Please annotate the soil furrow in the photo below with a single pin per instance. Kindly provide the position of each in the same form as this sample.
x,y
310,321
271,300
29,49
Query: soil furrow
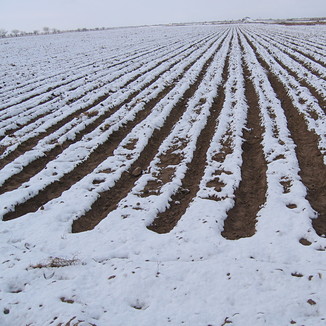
x,y
251,193
11,131
135,55
31,142
307,55
320,99
312,168
109,200
268,38
35,166
106,149
49,89
167,220
305,44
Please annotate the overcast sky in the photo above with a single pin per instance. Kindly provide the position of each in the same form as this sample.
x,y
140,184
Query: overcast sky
x,y
29,15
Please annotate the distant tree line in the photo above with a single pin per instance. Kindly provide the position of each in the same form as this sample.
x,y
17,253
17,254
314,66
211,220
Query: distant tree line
x,y
45,31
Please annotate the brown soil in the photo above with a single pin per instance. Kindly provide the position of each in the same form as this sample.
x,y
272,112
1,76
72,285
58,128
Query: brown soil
x,y
30,143
167,167
311,58
250,195
312,168
55,189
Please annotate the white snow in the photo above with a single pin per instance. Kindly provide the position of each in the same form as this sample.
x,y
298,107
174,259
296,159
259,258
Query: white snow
x,y
121,273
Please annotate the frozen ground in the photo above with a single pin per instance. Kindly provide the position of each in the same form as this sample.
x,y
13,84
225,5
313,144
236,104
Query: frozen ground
x,y
118,271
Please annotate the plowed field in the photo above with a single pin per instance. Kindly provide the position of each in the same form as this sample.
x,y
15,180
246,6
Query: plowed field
x,y
187,154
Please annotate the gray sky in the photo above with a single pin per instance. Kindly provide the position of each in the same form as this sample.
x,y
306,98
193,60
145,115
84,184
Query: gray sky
x,y
29,15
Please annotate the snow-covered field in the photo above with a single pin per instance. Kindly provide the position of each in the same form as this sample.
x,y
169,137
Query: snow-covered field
x,y
164,176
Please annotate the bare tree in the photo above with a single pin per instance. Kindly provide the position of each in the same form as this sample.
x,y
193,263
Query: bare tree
x,y
15,32
35,32
3,32
46,30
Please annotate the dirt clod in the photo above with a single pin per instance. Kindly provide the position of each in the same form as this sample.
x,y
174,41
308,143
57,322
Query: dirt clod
x,y
305,242
136,172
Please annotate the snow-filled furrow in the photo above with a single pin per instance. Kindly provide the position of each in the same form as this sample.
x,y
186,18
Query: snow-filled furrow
x,y
222,173
60,88
225,106
294,155
315,58
301,97
127,75
312,36
283,182
54,144
235,159
108,50
301,43
121,273
64,77
78,152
